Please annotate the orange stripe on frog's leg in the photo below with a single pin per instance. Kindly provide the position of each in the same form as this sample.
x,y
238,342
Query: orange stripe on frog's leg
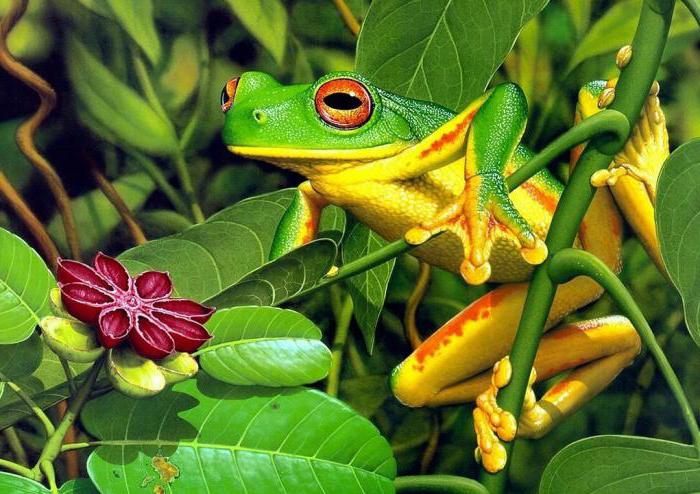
x,y
467,344
449,136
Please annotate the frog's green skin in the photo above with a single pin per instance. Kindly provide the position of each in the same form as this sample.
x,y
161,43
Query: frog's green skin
x,y
411,168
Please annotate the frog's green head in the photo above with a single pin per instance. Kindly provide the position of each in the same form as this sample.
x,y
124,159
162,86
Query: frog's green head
x,y
338,121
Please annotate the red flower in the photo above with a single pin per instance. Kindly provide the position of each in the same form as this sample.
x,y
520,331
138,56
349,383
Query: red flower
x,y
138,309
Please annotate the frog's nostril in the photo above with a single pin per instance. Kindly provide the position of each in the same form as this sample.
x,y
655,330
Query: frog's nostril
x,y
260,116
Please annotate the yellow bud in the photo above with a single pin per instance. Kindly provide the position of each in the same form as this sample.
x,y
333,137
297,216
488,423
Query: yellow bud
x,y
134,375
71,339
177,367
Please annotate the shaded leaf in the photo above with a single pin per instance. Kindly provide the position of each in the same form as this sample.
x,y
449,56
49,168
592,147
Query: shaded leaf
x,y
179,78
95,216
209,258
617,26
115,106
78,486
265,346
224,438
281,279
136,17
15,484
366,394
367,289
617,464
445,51
266,20
678,225
25,282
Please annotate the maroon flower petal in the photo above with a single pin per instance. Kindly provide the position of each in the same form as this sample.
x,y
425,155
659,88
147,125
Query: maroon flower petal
x,y
186,308
188,335
150,339
69,271
84,301
114,326
113,270
153,284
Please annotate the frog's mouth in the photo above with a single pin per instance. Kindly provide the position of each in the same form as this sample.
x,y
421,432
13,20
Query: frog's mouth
x,y
287,154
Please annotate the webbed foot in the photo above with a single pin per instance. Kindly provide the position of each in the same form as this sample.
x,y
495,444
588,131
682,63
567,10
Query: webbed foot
x,y
474,216
493,424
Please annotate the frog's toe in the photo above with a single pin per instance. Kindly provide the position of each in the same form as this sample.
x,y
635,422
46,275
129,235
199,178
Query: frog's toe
x,y
475,275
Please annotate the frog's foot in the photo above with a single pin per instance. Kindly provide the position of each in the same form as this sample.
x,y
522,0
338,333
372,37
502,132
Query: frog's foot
x,y
492,423
609,177
474,217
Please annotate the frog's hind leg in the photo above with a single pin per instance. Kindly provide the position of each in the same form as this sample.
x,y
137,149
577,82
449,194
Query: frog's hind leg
x,y
596,350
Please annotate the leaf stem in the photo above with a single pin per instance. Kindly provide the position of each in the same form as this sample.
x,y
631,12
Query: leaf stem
x,y
186,182
342,322
631,91
569,263
147,87
348,17
439,484
18,469
694,7
52,448
47,468
160,180
43,418
15,445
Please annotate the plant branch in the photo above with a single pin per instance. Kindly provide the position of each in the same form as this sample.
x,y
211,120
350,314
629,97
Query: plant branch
x,y
611,124
36,409
18,469
631,91
160,180
186,182
569,263
27,130
439,484
343,317
15,200
348,17
15,445
116,200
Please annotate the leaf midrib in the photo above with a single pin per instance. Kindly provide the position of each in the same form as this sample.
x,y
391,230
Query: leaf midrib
x,y
197,445
211,348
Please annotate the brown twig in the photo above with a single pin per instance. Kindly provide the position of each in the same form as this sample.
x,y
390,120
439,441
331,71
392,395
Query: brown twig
x,y
24,212
28,128
431,448
347,16
411,331
116,200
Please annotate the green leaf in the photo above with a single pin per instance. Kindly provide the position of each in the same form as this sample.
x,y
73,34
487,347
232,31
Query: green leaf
x,y
365,394
616,28
678,226
212,256
367,289
224,438
25,282
15,484
445,51
136,17
621,464
38,371
95,216
265,346
115,106
279,280
266,20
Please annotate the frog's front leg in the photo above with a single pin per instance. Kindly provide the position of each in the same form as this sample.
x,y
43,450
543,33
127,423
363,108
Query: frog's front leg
x,y
484,205
299,224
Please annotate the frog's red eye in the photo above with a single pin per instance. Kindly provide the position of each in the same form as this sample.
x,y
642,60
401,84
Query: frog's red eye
x,y
344,103
228,93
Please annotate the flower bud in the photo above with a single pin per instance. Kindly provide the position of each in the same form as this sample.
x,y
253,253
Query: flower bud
x,y
71,339
132,374
57,307
178,367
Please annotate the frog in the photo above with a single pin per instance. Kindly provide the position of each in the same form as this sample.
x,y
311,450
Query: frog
x,y
415,170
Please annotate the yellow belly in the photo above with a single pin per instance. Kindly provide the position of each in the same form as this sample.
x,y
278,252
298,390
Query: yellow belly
x,y
392,208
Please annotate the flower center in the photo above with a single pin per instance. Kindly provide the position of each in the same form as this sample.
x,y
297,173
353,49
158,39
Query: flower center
x,y
132,301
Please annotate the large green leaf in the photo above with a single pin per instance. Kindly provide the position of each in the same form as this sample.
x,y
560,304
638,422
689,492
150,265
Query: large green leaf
x,y
116,107
444,51
267,22
212,256
224,438
367,289
14,484
265,346
616,28
95,216
136,17
38,371
678,226
622,464
25,282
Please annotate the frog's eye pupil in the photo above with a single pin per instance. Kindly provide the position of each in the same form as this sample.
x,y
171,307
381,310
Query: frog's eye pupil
x,y
224,98
228,94
344,103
